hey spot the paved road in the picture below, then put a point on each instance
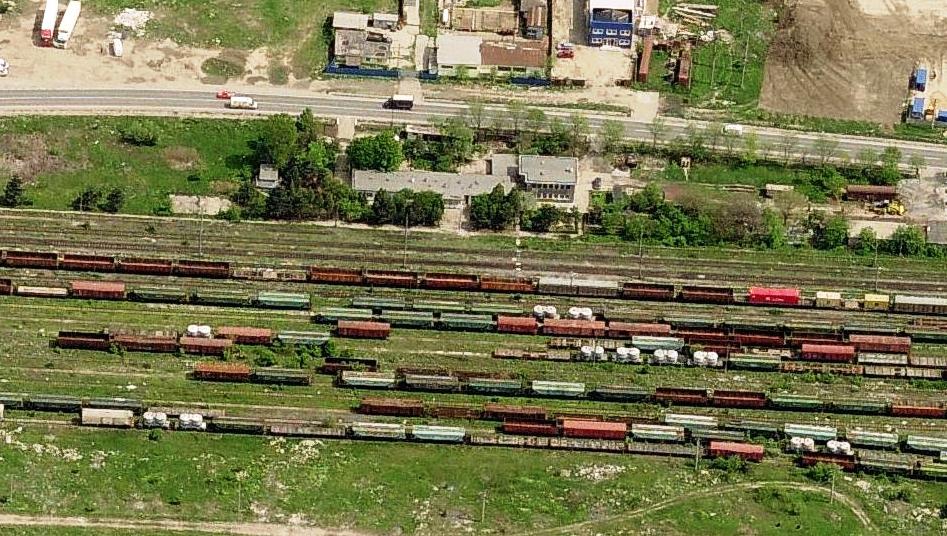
(144, 102)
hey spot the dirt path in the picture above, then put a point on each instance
(249, 529)
(843, 499)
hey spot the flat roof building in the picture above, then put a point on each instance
(347, 20)
(611, 22)
(550, 178)
(458, 52)
(268, 178)
(457, 189)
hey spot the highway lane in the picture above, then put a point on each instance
(143, 102)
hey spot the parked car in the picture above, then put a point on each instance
(224, 94)
(4, 67)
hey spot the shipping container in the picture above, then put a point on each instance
(281, 376)
(31, 259)
(42, 292)
(227, 372)
(391, 278)
(440, 434)
(681, 395)
(749, 452)
(876, 302)
(436, 281)
(594, 429)
(630, 329)
(828, 352)
(117, 418)
(738, 399)
(773, 296)
(337, 276)
(371, 380)
(196, 268)
(283, 300)
(245, 335)
(395, 407)
(146, 343)
(84, 340)
(378, 430)
(146, 266)
(87, 263)
(202, 346)
(719, 295)
(98, 290)
(363, 330)
(526, 325)
(506, 284)
(529, 428)
(647, 291)
(574, 328)
(881, 343)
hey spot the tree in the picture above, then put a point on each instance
(578, 134)
(826, 149)
(697, 143)
(786, 145)
(907, 240)
(751, 148)
(917, 162)
(113, 202)
(714, 132)
(87, 200)
(143, 132)
(890, 172)
(476, 115)
(543, 219)
(13, 195)
(316, 160)
(515, 114)
(277, 142)
(252, 203)
(496, 210)
(823, 472)
(867, 158)
(867, 242)
(380, 152)
(308, 128)
(657, 128)
(612, 137)
(788, 202)
(458, 143)
(834, 234)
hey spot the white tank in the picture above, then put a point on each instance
(713, 359)
(193, 330)
(148, 418)
(660, 356)
(539, 311)
(204, 331)
(672, 356)
(599, 353)
(809, 443)
(586, 352)
(832, 445)
(699, 358)
(551, 312)
(445, 17)
(575, 312)
(585, 313)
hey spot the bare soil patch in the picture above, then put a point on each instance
(850, 59)
(28, 156)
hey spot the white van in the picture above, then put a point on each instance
(733, 129)
(117, 48)
(243, 103)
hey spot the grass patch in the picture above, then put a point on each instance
(430, 16)
(278, 74)
(223, 67)
(215, 152)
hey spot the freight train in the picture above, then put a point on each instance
(554, 286)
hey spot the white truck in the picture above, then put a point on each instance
(242, 103)
(50, 14)
(68, 23)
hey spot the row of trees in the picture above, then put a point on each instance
(499, 210)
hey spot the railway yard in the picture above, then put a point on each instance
(399, 355)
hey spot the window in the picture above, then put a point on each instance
(624, 42)
(596, 40)
(597, 31)
(611, 32)
(624, 32)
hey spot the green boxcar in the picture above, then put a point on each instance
(494, 386)
(312, 338)
(872, 329)
(753, 362)
(409, 319)
(754, 427)
(465, 322)
(650, 344)
(818, 433)
(283, 300)
(796, 402)
(858, 406)
(813, 327)
(159, 295)
(690, 322)
(495, 309)
(439, 306)
(129, 404)
(872, 439)
(933, 470)
(621, 393)
(758, 325)
(279, 376)
(230, 299)
(369, 302)
(237, 426)
(63, 404)
(11, 400)
(926, 444)
(711, 434)
(332, 315)
(930, 337)
(429, 382)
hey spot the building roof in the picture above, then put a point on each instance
(268, 177)
(357, 46)
(883, 229)
(625, 5)
(349, 20)
(537, 169)
(503, 164)
(502, 54)
(385, 17)
(937, 232)
(459, 50)
(450, 185)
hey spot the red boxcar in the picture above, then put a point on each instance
(828, 352)
(844, 461)
(449, 411)
(517, 324)
(747, 451)
(336, 276)
(202, 346)
(682, 395)
(223, 372)
(241, 335)
(722, 295)
(530, 428)
(738, 399)
(391, 278)
(503, 412)
(31, 259)
(759, 339)
(903, 410)
(6, 287)
(146, 266)
(594, 429)
(450, 282)
(881, 343)
(88, 263)
(702, 336)
(83, 340)
(647, 291)
(193, 268)
(397, 407)
(630, 329)
(144, 343)
(773, 296)
(100, 290)
(506, 284)
(357, 329)
(870, 192)
(574, 328)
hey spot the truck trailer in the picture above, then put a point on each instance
(243, 103)
(50, 14)
(68, 23)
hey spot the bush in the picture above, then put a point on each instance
(226, 68)
(142, 133)
(822, 472)
(154, 435)
(381, 152)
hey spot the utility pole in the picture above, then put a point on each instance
(404, 262)
(200, 231)
(877, 268)
(483, 506)
(832, 501)
(640, 250)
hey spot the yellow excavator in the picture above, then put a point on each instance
(888, 207)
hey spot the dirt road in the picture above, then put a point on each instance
(850, 503)
(249, 529)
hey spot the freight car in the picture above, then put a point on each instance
(87, 263)
(225, 372)
(30, 259)
(146, 266)
(84, 340)
(723, 449)
(198, 268)
(98, 290)
(363, 330)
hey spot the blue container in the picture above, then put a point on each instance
(917, 110)
(942, 116)
(920, 79)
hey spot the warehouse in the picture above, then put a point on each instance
(611, 22)
(456, 189)
(550, 178)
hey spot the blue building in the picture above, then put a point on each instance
(611, 22)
